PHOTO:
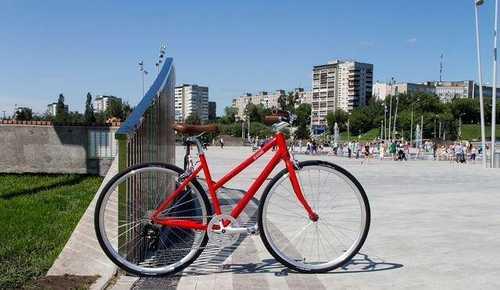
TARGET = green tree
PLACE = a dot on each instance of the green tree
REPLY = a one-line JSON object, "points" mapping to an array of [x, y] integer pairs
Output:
{"points": [[193, 119], [303, 113], [340, 117], [291, 100], [466, 109], [114, 110], [256, 113], [24, 114], [282, 102], [303, 121], [360, 121], [260, 130], [233, 129], [127, 110], [89, 115], [75, 118], [251, 112], [61, 111], [229, 115]]}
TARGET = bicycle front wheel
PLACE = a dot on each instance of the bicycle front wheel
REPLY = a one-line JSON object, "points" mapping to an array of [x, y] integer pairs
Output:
{"points": [[127, 235], [302, 244]]}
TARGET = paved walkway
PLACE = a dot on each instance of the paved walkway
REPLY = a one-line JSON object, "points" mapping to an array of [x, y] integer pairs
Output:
{"points": [[82, 254], [435, 225]]}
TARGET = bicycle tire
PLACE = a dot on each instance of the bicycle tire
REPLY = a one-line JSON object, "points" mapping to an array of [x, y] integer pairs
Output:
{"points": [[264, 234], [111, 254]]}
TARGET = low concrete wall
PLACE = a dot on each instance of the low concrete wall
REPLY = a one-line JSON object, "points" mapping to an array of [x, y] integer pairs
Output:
{"points": [[50, 149]]}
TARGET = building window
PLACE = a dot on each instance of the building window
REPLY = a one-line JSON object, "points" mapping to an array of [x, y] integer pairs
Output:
{"points": [[102, 144]]}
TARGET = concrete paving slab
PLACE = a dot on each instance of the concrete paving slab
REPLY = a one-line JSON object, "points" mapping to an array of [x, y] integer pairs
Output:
{"points": [[434, 226]]}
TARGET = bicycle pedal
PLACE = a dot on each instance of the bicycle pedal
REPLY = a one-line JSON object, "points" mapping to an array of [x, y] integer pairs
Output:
{"points": [[254, 230]]}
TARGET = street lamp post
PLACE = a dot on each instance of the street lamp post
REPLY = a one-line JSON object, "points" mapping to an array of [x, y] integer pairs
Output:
{"points": [[348, 133], [478, 3], [396, 114], [411, 127], [385, 120], [460, 125], [494, 92], [390, 110]]}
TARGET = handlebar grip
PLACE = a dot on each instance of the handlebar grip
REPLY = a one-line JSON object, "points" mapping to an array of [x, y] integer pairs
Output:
{"points": [[270, 120]]}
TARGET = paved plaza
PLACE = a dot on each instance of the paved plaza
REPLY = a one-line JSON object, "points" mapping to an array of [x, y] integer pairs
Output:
{"points": [[435, 225]]}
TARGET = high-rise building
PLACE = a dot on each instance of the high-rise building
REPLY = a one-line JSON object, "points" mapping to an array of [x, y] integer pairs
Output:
{"points": [[101, 103], [338, 85], [212, 111], [191, 100]]}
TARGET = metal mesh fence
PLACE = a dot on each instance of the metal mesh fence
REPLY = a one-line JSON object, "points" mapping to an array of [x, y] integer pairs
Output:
{"points": [[146, 136]]}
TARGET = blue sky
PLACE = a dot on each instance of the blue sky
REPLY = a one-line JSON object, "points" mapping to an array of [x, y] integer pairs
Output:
{"points": [[52, 47]]}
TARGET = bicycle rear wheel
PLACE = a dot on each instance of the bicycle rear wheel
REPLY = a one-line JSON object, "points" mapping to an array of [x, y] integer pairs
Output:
{"points": [[124, 229], [330, 242]]}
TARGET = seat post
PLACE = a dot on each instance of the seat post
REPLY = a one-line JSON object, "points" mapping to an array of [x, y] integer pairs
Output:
{"points": [[188, 152]]}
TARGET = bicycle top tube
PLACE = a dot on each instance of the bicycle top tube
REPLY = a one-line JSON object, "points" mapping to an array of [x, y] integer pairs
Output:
{"points": [[281, 154]]}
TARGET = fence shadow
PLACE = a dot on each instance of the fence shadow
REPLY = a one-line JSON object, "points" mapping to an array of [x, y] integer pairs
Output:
{"points": [[76, 179]]}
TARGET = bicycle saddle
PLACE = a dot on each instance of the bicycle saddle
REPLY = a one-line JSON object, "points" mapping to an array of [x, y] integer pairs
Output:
{"points": [[189, 129]]}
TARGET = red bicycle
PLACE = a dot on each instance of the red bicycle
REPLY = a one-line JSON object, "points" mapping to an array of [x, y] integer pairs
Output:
{"points": [[313, 216]]}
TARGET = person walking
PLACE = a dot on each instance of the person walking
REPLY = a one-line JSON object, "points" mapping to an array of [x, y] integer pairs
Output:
{"points": [[221, 143], [382, 150], [434, 150], [473, 152], [392, 149]]}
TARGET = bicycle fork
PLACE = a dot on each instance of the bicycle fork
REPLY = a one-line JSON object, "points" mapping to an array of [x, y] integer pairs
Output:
{"points": [[291, 167]]}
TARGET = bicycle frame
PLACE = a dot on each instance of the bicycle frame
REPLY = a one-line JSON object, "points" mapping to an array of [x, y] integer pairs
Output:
{"points": [[281, 154]]}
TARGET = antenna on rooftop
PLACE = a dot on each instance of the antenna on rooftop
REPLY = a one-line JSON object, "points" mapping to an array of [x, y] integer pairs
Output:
{"points": [[441, 69]]}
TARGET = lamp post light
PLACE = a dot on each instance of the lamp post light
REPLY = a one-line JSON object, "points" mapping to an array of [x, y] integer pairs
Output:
{"points": [[477, 4], [143, 74], [494, 91], [163, 49]]}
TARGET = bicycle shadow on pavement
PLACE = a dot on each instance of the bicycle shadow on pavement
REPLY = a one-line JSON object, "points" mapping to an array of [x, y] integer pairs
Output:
{"points": [[361, 263]]}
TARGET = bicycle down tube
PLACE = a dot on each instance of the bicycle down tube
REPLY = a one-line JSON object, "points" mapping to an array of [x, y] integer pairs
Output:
{"points": [[281, 154]]}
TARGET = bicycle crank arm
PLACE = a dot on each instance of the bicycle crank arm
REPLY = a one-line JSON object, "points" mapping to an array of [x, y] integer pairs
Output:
{"points": [[253, 230]]}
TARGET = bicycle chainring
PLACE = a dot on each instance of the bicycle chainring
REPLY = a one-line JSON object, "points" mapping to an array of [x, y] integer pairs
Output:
{"points": [[218, 235]]}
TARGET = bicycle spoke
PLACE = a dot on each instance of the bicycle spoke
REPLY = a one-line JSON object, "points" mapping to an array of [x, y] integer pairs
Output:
{"points": [[132, 238], [339, 226]]}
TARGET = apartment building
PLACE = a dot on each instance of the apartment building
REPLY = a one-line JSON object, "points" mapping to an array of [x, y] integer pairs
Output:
{"points": [[212, 111], [52, 109], [303, 96], [101, 103], [382, 90], [445, 90], [341, 85], [191, 99], [268, 100]]}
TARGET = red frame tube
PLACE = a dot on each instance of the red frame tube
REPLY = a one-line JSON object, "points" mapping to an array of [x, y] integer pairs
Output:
{"points": [[281, 154]]}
